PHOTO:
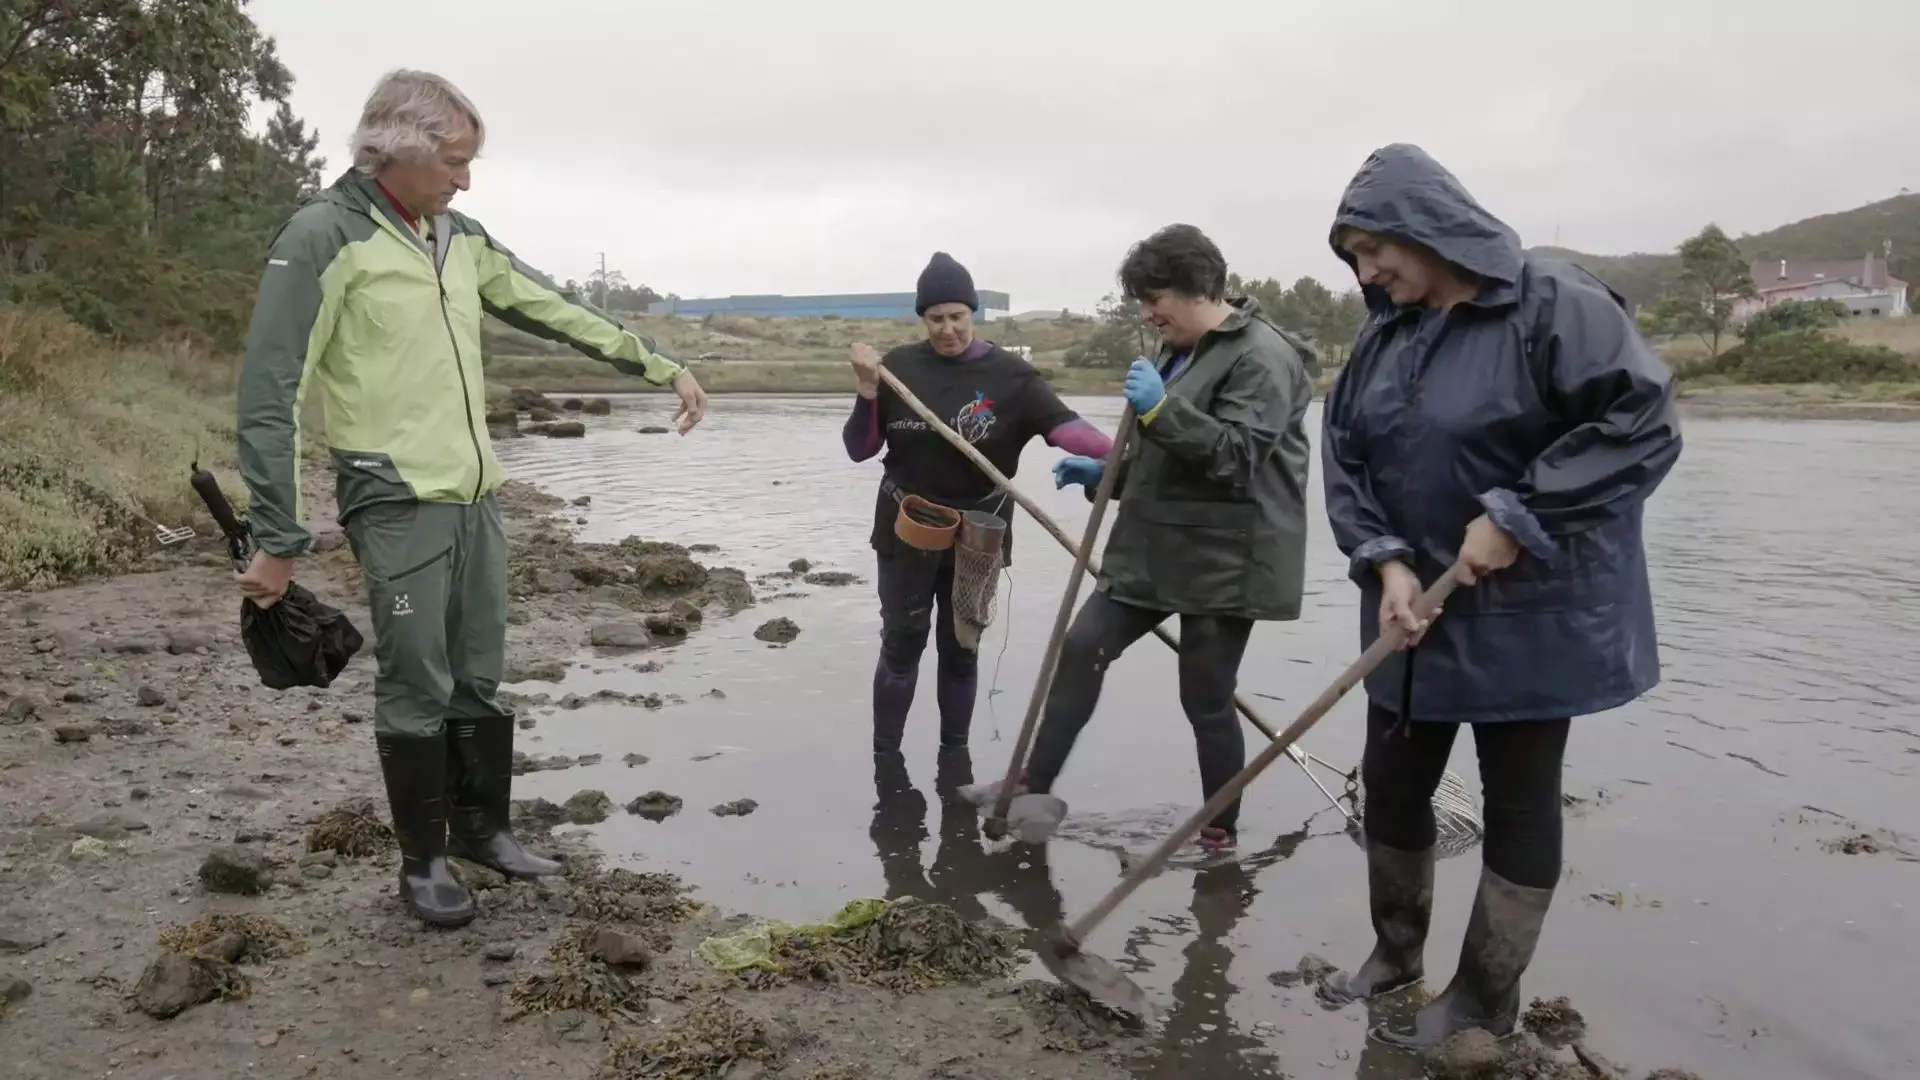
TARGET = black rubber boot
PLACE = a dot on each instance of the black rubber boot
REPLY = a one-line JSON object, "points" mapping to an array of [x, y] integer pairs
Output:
{"points": [[1485, 991], [1400, 897], [416, 773], [480, 787]]}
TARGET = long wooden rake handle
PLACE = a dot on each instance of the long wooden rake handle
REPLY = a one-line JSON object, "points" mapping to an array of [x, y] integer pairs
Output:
{"points": [[996, 824], [1389, 641]]}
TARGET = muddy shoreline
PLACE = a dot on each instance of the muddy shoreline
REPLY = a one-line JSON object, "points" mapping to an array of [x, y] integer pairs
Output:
{"points": [[154, 790], [1718, 403], [196, 877], [1790, 403]]}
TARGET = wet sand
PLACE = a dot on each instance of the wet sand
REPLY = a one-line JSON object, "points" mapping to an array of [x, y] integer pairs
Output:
{"points": [[196, 878]]}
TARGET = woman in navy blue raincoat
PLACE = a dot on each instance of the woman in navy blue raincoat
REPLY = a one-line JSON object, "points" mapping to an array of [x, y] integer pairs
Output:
{"points": [[1501, 413]]}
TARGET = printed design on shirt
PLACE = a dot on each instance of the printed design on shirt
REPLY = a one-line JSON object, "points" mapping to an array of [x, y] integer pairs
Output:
{"points": [[975, 418]]}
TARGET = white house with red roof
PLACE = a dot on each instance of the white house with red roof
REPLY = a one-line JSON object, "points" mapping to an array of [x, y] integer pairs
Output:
{"points": [[1862, 284]]}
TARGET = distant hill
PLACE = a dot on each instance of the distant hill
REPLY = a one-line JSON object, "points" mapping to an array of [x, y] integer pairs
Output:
{"points": [[1849, 234]]}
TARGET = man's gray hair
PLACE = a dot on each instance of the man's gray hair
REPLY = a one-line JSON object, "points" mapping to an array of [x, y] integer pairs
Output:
{"points": [[409, 116]]}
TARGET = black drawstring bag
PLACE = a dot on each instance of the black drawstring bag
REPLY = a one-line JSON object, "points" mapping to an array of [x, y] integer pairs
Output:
{"points": [[298, 641]]}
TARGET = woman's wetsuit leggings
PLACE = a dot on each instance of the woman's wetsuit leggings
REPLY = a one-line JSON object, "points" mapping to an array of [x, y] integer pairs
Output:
{"points": [[911, 583], [1519, 778], [1210, 650]]}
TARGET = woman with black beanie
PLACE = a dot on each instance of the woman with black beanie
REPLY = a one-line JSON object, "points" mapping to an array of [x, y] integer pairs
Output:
{"points": [[998, 403]]}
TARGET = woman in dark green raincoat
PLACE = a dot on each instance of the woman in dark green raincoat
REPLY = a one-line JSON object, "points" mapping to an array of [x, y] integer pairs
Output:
{"points": [[1502, 413], [1212, 512]]}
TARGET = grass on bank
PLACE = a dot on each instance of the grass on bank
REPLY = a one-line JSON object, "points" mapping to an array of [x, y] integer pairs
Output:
{"points": [[93, 438]]}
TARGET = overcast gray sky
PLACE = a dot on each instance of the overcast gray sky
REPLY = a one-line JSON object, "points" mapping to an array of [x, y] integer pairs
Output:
{"points": [[717, 146]]}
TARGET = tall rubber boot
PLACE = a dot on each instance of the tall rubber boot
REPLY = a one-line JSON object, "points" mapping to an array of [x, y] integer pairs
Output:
{"points": [[1485, 991], [1400, 898], [480, 788], [415, 770]]}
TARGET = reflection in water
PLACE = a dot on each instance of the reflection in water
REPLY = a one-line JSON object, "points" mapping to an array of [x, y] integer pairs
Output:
{"points": [[1378, 1061], [1788, 604], [1199, 1038], [962, 868], [1196, 1036]]}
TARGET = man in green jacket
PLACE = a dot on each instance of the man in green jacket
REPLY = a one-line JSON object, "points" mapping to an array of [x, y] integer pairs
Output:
{"points": [[372, 297], [1212, 512]]}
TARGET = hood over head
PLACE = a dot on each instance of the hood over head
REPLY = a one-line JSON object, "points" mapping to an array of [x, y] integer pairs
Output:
{"points": [[1403, 193]]}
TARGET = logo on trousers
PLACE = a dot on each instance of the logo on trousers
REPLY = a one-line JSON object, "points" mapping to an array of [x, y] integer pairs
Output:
{"points": [[401, 606]]}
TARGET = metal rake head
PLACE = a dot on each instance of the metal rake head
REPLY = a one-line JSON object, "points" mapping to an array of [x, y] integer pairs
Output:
{"points": [[1458, 825]]}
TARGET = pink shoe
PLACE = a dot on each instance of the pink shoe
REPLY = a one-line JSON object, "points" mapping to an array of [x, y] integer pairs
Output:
{"points": [[1216, 839]]}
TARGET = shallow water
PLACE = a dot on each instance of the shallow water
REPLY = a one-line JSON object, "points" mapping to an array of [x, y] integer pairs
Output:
{"points": [[1699, 924]]}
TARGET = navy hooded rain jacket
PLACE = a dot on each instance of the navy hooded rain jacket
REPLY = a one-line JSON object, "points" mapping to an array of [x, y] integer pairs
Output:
{"points": [[1539, 404]]}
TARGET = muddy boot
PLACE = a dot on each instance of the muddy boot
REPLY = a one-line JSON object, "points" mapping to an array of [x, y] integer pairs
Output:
{"points": [[1485, 991], [416, 773], [1400, 896], [480, 784]]}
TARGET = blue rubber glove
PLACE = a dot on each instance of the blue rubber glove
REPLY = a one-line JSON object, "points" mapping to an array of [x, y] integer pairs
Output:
{"points": [[1084, 471], [1144, 388]]}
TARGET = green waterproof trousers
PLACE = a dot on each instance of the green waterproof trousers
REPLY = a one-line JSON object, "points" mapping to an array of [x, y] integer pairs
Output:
{"points": [[436, 576]]}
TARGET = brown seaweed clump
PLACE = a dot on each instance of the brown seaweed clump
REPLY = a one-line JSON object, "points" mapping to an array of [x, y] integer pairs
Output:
{"points": [[1068, 1020], [1555, 1022], [1477, 1055], [710, 1041], [356, 828], [197, 962], [576, 979], [911, 946], [234, 938], [590, 894], [1857, 844]]}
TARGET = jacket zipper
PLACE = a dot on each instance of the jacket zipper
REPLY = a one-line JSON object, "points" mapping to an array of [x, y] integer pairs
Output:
{"points": [[435, 259], [466, 396]]}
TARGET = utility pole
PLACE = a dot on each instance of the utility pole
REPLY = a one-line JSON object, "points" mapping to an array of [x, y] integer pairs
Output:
{"points": [[603, 281]]}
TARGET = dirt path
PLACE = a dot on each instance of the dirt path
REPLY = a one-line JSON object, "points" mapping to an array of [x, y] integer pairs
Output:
{"points": [[136, 744]]}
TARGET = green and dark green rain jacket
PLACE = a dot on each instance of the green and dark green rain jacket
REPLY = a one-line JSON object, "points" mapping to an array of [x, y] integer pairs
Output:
{"points": [[383, 321]]}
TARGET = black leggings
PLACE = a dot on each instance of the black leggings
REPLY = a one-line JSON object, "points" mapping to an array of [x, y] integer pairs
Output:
{"points": [[1519, 779], [1210, 651], [911, 583]]}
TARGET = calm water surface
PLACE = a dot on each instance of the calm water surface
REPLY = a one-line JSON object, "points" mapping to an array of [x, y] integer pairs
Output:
{"points": [[1699, 924]]}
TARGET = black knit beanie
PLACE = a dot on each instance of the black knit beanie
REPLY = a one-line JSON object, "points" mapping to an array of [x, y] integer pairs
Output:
{"points": [[944, 281]]}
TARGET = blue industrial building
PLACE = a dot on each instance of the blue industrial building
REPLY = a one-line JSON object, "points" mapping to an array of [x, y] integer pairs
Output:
{"points": [[845, 305]]}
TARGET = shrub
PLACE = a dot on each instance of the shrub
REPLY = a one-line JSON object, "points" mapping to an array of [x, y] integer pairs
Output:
{"points": [[1809, 356], [1794, 315]]}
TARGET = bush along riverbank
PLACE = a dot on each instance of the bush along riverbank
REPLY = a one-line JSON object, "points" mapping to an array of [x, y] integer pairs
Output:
{"points": [[199, 875], [1806, 365]]}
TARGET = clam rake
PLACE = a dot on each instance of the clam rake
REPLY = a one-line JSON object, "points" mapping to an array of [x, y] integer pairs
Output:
{"points": [[166, 535]]}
